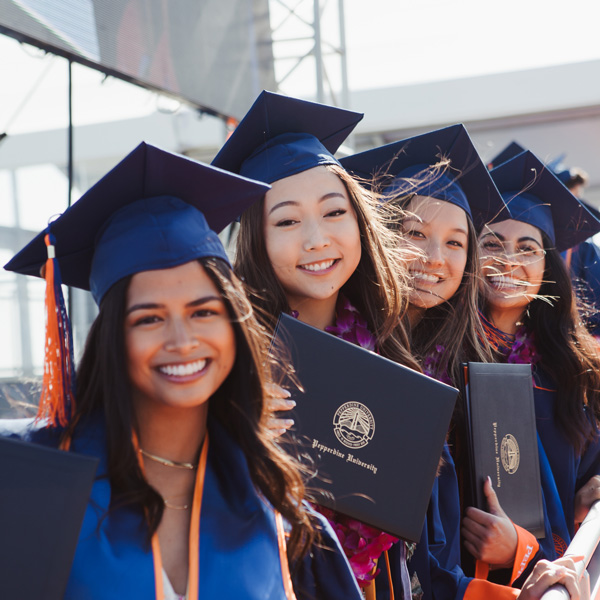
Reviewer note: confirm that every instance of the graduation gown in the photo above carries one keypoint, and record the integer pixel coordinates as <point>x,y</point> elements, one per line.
<point>238,548</point>
<point>584,263</point>
<point>435,566</point>
<point>563,473</point>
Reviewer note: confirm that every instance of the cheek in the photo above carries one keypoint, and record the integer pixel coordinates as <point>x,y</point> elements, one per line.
<point>280,247</point>
<point>537,278</point>
<point>227,349</point>
<point>351,236</point>
<point>459,265</point>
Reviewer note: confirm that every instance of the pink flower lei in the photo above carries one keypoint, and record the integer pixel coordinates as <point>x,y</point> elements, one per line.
<point>362,544</point>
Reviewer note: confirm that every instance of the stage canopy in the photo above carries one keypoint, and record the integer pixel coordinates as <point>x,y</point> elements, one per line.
<point>212,54</point>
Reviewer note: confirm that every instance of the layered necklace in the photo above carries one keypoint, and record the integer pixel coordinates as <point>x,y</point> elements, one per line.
<point>166,462</point>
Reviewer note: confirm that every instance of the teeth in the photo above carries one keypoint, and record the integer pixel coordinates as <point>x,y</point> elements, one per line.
<point>501,282</point>
<point>183,370</point>
<point>318,266</point>
<point>425,277</point>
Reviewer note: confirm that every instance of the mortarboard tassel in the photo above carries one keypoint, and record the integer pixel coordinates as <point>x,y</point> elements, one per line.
<point>57,399</point>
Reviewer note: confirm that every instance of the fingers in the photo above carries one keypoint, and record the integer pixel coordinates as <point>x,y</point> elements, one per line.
<point>585,497</point>
<point>277,427</point>
<point>278,398</point>
<point>275,404</point>
<point>488,537</point>
<point>492,499</point>
<point>276,391</point>
<point>546,574</point>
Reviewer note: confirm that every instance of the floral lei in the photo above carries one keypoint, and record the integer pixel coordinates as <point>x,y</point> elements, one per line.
<point>431,365</point>
<point>362,544</point>
<point>519,348</point>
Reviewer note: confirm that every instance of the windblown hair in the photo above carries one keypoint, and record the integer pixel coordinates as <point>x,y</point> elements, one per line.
<point>568,351</point>
<point>450,333</point>
<point>377,288</point>
<point>103,386</point>
<point>454,326</point>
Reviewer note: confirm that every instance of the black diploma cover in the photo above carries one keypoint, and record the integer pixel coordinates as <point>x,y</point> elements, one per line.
<point>43,497</point>
<point>503,441</point>
<point>374,429</point>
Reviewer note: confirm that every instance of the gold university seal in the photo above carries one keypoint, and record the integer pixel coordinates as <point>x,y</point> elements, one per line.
<point>353,425</point>
<point>510,454</point>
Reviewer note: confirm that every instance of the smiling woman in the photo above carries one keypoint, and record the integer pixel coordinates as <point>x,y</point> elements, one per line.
<point>317,245</point>
<point>170,393</point>
<point>312,240</point>
<point>531,316</point>
<point>179,340</point>
<point>441,232</point>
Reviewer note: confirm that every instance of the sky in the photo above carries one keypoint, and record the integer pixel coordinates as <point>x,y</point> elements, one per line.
<point>394,42</point>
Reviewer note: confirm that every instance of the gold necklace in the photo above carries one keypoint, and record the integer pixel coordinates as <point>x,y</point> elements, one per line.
<point>175,506</point>
<point>167,462</point>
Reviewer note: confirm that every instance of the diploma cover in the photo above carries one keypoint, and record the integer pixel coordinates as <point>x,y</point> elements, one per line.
<point>43,497</point>
<point>503,441</point>
<point>373,429</point>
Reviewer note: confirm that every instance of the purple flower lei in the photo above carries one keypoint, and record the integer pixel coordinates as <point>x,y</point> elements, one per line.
<point>362,544</point>
<point>431,365</point>
<point>519,348</point>
<point>351,326</point>
<point>523,349</point>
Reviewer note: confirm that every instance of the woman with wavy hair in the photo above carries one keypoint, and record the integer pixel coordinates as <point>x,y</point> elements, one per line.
<point>530,315</point>
<point>192,499</point>
<point>317,246</point>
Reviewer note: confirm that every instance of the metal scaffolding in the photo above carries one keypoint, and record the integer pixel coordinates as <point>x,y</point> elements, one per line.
<point>309,35</point>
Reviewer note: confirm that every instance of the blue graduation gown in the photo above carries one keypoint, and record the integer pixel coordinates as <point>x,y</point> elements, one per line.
<point>238,552</point>
<point>584,263</point>
<point>562,471</point>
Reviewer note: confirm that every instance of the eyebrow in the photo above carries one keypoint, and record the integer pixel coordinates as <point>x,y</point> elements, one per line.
<point>419,220</point>
<point>296,203</point>
<point>525,238</point>
<point>155,306</point>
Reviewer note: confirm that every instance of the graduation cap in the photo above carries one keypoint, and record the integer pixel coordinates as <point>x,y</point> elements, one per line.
<point>512,150</point>
<point>535,196</point>
<point>282,136</point>
<point>103,238</point>
<point>465,182</point>
<point>154,210</point>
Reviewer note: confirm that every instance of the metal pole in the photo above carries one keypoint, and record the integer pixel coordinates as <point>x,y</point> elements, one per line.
<point>343,57</point>
<point>70,168</point>
<point>318,53</point>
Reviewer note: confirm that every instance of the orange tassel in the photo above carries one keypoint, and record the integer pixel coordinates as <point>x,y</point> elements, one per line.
<point>56,400</point>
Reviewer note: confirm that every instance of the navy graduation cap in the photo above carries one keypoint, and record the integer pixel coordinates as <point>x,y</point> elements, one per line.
<point>465,182</point>
<point>282,136</point>
<point>534,195</point>
<point>154,210</point>
<point>512,150</point>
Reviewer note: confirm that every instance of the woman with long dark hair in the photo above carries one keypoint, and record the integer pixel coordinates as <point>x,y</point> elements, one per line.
<point>192,499</point>
<point>531,316</point>
<point>317,246</point>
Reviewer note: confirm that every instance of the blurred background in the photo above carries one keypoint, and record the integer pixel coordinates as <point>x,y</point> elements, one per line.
<point>84,81</point>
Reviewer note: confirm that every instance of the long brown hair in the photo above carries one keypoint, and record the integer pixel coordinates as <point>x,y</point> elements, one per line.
<point>103,386</point>
<point>378,287</point>
<point>452,331</point>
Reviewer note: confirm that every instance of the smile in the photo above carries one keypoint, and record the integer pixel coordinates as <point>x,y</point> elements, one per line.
<point>425,277</point>
<point>184,370</point>
<point>318,267</point>
<point>502,282</point>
